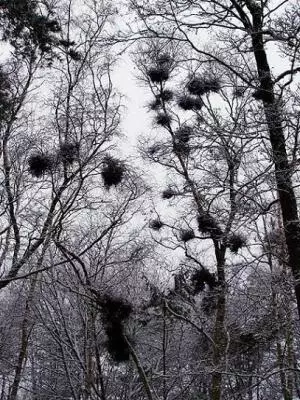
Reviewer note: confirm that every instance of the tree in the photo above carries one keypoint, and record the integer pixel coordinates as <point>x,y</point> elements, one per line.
<point>241,33</point>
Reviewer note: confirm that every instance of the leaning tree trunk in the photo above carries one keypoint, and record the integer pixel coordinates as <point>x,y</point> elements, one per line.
<point>284,184</point>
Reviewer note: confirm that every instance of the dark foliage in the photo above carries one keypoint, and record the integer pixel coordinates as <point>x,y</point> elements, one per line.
<point>183,134</point>
<point>115,312</point>
<point>117,345</point>
<point>23,26</point>
<point>153,149</point>
<point>264,95</point>
<point>75,55</point>
<point>155,104</point>
<point>156,224</point>
<point>159,74</point>
<point>181,148</point>
<point>201,85</point>
<point>207,224</point>
<point>164,60</point>
<point>112,172</point>
<point>168,194</point>
<point>202,277</point>
<point>163,119</point>
<point>66,43</point>
<point>190,103</point>
<point>236,242</point>
<point>187,234</point>
<point>39,164</point>
<point>114,309</point>
<point>68,152</point>
<point>166,95</point>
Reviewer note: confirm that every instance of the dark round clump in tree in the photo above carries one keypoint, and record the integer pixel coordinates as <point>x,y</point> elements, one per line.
<point>68,152</point>
<point>201,85</point>
<point>112,172</point>
<point>183,134</point>
<point>236,242</point>
<point>156,224</point>
<point>114,309</point>
<point>181,148</point>
<point>166,95</point>
<point>39,164</point>
<point>264,95</point>
<point>187,234</point>
<point>164,59</point>
<point>202,277</point>
<point>117,345</point>
<point>163,119</point>
<point>158,74</point>
<point>155,104</point>
<point>168,194</point>
<point>75,55</point>
<point>207,224</point>
<point>190,103</point>
<point>115,313</point>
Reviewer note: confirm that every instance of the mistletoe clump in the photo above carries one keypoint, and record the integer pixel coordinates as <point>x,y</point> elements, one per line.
<point>168,194</point>
<point>115,312</point>
<point>112,172</point>
<point>201,85</point>
<point>235,242</point>
<point>158,74</point>
<point>190,103</point>
<point>163,119</point>
<point>207,224</point>
<point>187,234</point>
<point>39,164</point>
<point>156,224</point>
<point>68,152</point>
<point>183,134</point>
<point>202,277</point>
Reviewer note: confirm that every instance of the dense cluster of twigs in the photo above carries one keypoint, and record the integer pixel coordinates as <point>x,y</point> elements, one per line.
<point>112,172</point>
<point>115,312</point>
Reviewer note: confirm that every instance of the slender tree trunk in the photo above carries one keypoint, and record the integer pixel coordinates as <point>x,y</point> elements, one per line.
<point>219,336</point>
<point>26,330</point>
<point>272,111</point>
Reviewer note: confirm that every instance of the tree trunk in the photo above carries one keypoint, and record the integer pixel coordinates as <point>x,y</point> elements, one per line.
<point>219,336</point>
<point>285,188</point>
<point>26,330</point>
